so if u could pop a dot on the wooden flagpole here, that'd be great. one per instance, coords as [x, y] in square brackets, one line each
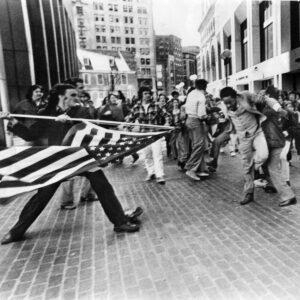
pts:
[94, 121]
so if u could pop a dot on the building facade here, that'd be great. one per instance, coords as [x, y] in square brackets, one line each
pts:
[169, 60]
[105, 71]
[263, 39]
[124, 25]
[37, 46]
[189, 54]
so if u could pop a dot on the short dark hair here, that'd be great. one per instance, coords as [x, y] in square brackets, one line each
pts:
[33, 88]
[73, 80]
[57, 90]
[272, 91]
[228, 92]
[142, 90]
[174, 93]
[201, 84]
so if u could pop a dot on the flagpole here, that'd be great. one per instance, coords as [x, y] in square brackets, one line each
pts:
[92, 120]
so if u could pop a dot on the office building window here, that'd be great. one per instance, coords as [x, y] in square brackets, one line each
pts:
[86, 78]
[244, 45]
[123, 79]
[79, 10]
[143, 61]
[266, 30]
[98, 6]
[128, 20]
[148, 61]
[100, 79]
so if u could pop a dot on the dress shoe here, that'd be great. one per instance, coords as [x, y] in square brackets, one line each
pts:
[192, 175]
[292, 201]
[127, 227]
[247, 199]
[68, 206]
[150, 177]
[212, 169]
[10, 238]
[269, 189]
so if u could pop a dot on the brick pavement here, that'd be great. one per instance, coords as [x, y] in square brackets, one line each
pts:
[196, 242]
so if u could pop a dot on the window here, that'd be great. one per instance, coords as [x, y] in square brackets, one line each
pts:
[79, 10]
[100, 39]
[244, 45]
[142, 61]
[147, 61]
[266, 30]
[86, 78]
[123, 79]
[127, 40]
[98, 6]
[113, 19]
[128, 20]
[100, 79]
[127, 8]
[118, 40]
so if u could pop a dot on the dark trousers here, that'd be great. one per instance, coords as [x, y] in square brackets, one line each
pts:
[216, 146]
[39, 201]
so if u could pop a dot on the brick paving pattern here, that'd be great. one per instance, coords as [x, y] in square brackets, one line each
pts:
[196, 242]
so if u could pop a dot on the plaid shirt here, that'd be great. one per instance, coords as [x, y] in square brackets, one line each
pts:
[154, 116]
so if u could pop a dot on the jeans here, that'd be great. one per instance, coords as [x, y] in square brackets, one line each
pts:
[254, 152]
[183, 145]
[154, 159]
[39, 201]
[216, 146]
[197, 132]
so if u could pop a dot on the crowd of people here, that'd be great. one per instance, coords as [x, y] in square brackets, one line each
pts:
[262, 127]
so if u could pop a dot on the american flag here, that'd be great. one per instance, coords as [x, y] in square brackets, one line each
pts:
[86, 146]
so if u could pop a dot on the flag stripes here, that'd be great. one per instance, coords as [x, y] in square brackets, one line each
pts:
[86, 146]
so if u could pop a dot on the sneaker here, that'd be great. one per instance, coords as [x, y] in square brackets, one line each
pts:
[212, 169]
[68, 206]
[150, 177]
[202, 174]
[192, 175]
[161, 180]
[260, 183]
[127, 227]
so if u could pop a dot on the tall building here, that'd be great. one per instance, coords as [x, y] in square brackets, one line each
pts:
[169, 62]
[125, 25]
[37, 46]
[189, 54]
[264, 42]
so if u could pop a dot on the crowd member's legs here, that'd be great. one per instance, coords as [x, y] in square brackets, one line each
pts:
[149, 164]
[285, 166]
[183, 145]
[196, 134]
[233, 144]
[157, 157]
[69, 192]
[254, 152]
[173, 139]
[215, 149]
[285, 192]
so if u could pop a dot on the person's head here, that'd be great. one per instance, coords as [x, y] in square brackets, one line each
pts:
[228, 95]
[84, 97]
[175, 103]
[162, 100]
[113, 99]
[77, 83]
[288, 105]
[292, 96]
[145, 94]
[201, 84]
[121, 96]
[63, 95]
[175, 94]
[282, 96]
[272, 92]
[35, 93]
